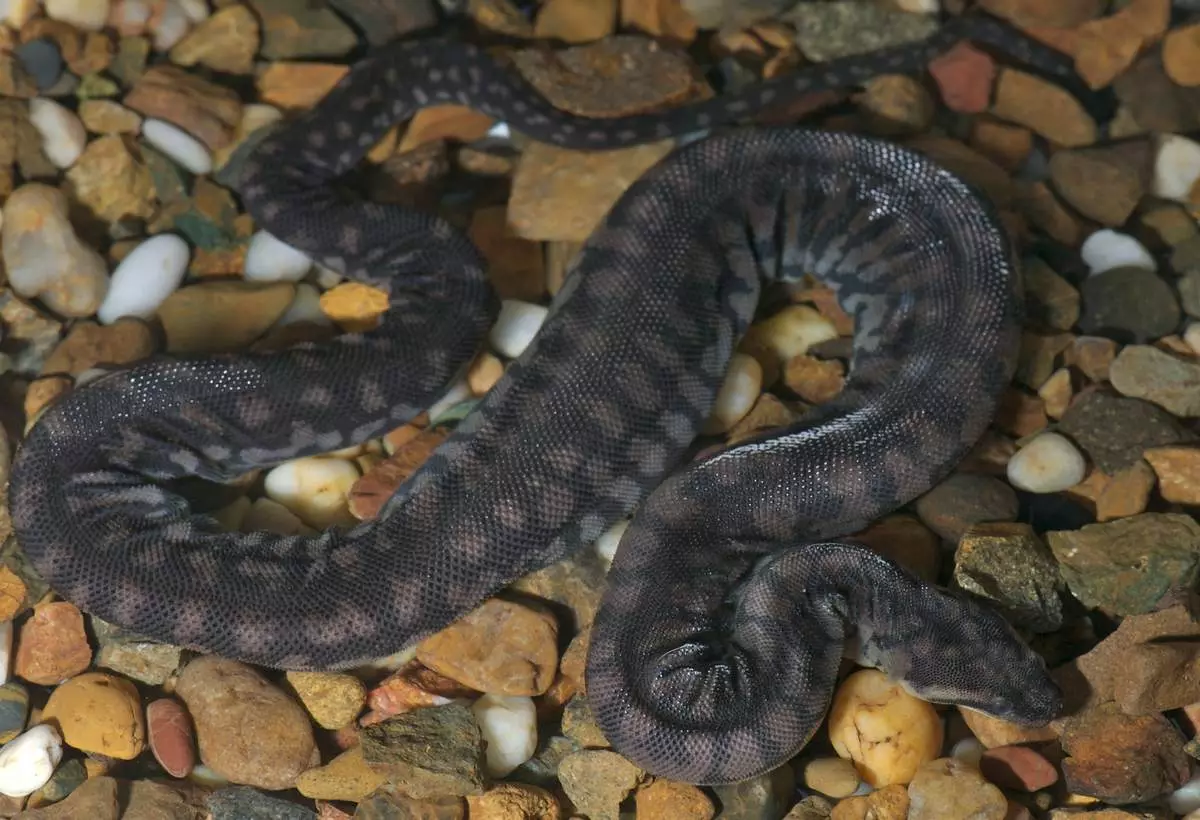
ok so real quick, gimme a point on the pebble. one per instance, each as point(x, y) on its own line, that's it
point(501, 646)
point(1008, 564)
point(333, 699)
point(113, 180)
point(671, 800)
point(1129, 304)
point(63, 134)
point(1186, 798)
point(178, 144)
point(1043, 108)
point(1181, 55)
point(515, 327)
point(831, 776)
point(887, 733)
point(1123, 758)
point(42, 58)
point(14, 710)
point(1106, 249)
point(437, 751)
point(1176, 168)
point(43, 257)
point(211, 317)
point(53, 645)
point(889, 803)
point(243, 803)
point(144, 279)
point(508, 724)
point(27, 763)
point(249, 731)
point(520, 801)
point(88, 15)
point(946, 788)
point(100, 714)
point(1019, 768)
point(1104, 184)
point(738, 393)
point(346, 777)
point(271, 260)
point(1049, 463)
point(964, 499)
point(314, 489)
point(597, 781)
point(1114, 431)
point(305, 308)
point(1166, 379)
point(1177, 470)
point(6, 642)
point(171, 738)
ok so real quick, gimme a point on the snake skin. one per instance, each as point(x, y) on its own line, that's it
point(727, 610)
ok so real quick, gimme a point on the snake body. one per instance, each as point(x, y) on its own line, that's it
point(727, 609)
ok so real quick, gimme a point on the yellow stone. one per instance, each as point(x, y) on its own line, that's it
point(99, 713)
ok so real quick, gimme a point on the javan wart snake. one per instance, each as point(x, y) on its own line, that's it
point(726, 612)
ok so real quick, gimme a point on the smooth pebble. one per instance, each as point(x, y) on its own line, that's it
point(6, 642)
point(62, 132)
point(305, 307)
point(1186, 799)
point(89, 15)
point(170, 24)
point(145, 278)
point(516, 326)
point(269, 259)
point(1049, 463)
point(1107, 249)
point(738, 393)
point(606, 545)
point(178, 144)
point(314, 488)
point(457, 393)
point(831, 776)
point(1176, 167)
point(969, 750)
point(508, 724)
point(27, 762)
point(1191, 335)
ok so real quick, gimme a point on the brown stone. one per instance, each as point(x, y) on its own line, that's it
point(1181, 55)
point(1178, 471)
point(1042, 107)
point(889, 803)
point(516, 801)
point(576, 21)
point(207, 111)
point(172, 740)
point(814, 380)
point(1059, 14)
point(99, 713)
point(501, 646)
point(89, 344)
point(1121, 758)
point(1009, 145)
point(379, 484)
point(52, 645)
point(516, 266)
point(459, 123)
point(965, 76)
point(1104, 184)
point(226, 41)
point(294, 86)
point(1126, 493)
point(1019, 768)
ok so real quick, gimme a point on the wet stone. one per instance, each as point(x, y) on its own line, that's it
point(1168, 380)
point(768, 795)
point(1007, 564)
point(14, 710)
point(1129, 304)
point(964, 499)
point(1050, 299)
point(1114, 431)
point(389, 804)
point(598, 781)
point(1127, 566)
point(149, 800)
point(246, 803)
point(1121, 758)
point(94, 799)
point(825, 31)
point(296, 30)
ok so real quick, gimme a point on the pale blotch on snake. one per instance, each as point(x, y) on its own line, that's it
point(727, 610)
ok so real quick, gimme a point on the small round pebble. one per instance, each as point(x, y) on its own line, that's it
point(271, 260)
point(178, 145)
point(515, 326)
point(172, 740)
point(145, 278)
point(1107, 249)
point(606, 545)
point(739, 391)
point(99, 713)
point(1019, 768)
point(42, 58)
point(888, 733)
point(1192, 336)
point(62, 132)
point(1176, 168)
point(314, 489)
point(968, 750)
point(1049, 463)
point(508, 724)
point(831, 776)
point(27, 763)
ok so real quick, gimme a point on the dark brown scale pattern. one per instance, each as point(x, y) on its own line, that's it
point(715, 650)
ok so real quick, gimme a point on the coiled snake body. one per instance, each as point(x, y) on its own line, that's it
point(726, 612)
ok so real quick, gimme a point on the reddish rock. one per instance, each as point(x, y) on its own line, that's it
point(1120, 758)
point(965, 76)
point(1019, 768)
point(171, 738)
point(53, 645)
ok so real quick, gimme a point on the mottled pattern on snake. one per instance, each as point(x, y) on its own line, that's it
point(715, 651)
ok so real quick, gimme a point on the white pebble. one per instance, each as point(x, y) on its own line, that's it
point(305, 307)
point(1192, 336)
point(1186, 798)
point(170, 26)
point(969, 750)
point(272, 260)
point(89, 15)
point(314, 488)
point(1047, 464)
point(1107, 249)
point(145, 278)
point(62, 132)
point(130, 16)
point(606, 545)
point(178, 144)
point(792, 331)
point(1176, 167)
point(508, 724)
point(327, 277)
point(17, 12)
point(6, 640)
point(458, 392)
point(516, 326)
point(27, 761)
point(919, 6)
point(196, 10)
point(738, 393)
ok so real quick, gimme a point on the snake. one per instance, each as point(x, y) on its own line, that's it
point(736, 590)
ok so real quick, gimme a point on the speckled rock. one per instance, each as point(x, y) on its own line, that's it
point(245, 803)
point(1121, 758)
point(1127, 566)
point(1168, 380)
point(99, 713)
point(1114, 431)
point(388, 803)
point(597, 781)
point(248, 730)
point(825, 31)
point(346, 777)
point(333, 699)
point(516, 801)
point(111, 179)
point(889, 803)
point(95, 799)
point(768, 795)
point(52, 645)
point(947, 788)
point(1129, 304)
point(1007, 564)
point(148, 800)
point(669, 800)
point(964, 499)
point(435, 751)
